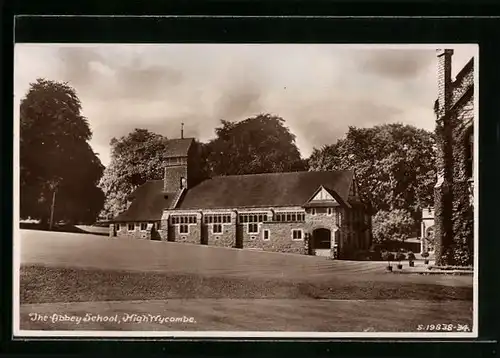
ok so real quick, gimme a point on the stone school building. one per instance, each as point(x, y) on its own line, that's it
point(312, 213)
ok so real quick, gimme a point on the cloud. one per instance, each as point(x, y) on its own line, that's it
point(323, 122)
point(318, 89)
point(396, 64)
point(106, 78)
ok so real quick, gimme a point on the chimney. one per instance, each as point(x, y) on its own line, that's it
point(182, 130)
point(443, 190)
point(445, 90)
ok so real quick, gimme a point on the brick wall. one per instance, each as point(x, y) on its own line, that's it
point(443, 191)
point(445, 94)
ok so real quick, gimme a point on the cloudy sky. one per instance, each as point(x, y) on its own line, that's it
point(318, 89)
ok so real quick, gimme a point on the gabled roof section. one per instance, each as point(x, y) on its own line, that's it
point(178, 147)
point(266, 190)
point(148, 202)
point(467, 69)
point(325, 197)
point(322, 194)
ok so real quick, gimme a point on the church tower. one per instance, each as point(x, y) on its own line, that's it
point(181, 164)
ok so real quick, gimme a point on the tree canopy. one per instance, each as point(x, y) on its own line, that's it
point(392, 225)
point(55, 156)
point(135, 159)
point(260, 144)
point(394, 164)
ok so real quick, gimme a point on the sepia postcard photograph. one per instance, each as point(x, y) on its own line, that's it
point(245, 190)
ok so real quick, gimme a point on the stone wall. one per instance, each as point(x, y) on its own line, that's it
point(123, 231)
point(280, 238)
point(280, 233)
point(228, 236)
point(253, 240)
point(193, 236)
point(172, 177)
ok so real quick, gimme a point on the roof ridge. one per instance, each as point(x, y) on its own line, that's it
point(192, 138)
point(282, 173)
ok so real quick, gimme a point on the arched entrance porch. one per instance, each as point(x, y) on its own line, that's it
point(321, 242)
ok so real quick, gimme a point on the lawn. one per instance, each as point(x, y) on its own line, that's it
point(299, 315)
point(226, 288)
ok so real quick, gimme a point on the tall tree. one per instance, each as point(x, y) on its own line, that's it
point(261, 144)
point(394, 163)
point(57, 164)
point(135, 159)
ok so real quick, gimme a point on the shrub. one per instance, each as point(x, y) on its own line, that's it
point(425, 254)
point(367, 255)
point(411, 256)
point(388, 256)
point(361, 255)
point(392, 225)
point(400, 256)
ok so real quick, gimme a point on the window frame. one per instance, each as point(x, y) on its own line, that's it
point(219, 226)
point(253, 232)
point(180, 229)
point(129, 225)
point(301, 234)
point(188, 219)
point(251, 217)
point(264, 232)
point(145, 226)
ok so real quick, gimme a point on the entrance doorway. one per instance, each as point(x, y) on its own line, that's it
point(321, 242)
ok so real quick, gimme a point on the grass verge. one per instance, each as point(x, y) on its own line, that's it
point(41, 284)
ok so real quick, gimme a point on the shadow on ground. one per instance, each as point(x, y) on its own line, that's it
point(75, 229)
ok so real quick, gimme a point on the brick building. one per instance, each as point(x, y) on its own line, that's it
point(315, 213)
point(453, 209)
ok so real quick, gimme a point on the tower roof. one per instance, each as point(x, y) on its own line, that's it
point(178, 147)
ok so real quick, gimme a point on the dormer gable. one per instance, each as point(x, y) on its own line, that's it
point(324, 197)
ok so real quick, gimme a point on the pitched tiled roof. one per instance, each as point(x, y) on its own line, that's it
point(178, 147)
point(148, 203)
point(261, 190)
